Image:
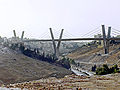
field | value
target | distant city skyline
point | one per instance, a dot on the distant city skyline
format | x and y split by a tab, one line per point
77	17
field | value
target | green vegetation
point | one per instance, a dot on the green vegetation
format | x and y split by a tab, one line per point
106	70
65	62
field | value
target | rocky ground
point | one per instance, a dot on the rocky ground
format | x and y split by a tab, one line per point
72	82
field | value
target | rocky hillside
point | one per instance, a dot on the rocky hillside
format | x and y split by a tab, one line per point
87	56
15	67
47	47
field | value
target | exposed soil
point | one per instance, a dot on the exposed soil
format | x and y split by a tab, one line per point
15	67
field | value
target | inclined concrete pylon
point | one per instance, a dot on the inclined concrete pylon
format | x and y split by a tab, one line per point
104	39
14	33
53	40
108	37
22	35
56	49
59	42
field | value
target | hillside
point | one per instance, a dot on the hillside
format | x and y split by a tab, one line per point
87	56
73	82
15	67
47	47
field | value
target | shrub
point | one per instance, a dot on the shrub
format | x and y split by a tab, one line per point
65	62
106	70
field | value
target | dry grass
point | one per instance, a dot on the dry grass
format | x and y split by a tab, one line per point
71	82
15	67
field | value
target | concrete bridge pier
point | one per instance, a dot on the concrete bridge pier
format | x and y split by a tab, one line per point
53	40
56	49
22	35
106	41
16	40
14	33
108	37
59	42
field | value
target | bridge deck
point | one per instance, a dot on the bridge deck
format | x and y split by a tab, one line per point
70	39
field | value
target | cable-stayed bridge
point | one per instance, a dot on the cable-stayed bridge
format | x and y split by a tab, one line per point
102	33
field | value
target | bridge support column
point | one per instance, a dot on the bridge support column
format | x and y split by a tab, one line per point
14	33
56	49
104	39
108	37
59	42
53	40
22	35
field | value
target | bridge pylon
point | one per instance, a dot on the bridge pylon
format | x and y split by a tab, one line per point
15	36
106	41
108	37
53	40
59	42
14	33
17	39
56	49
22	34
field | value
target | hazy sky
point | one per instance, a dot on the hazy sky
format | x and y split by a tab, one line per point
77	17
